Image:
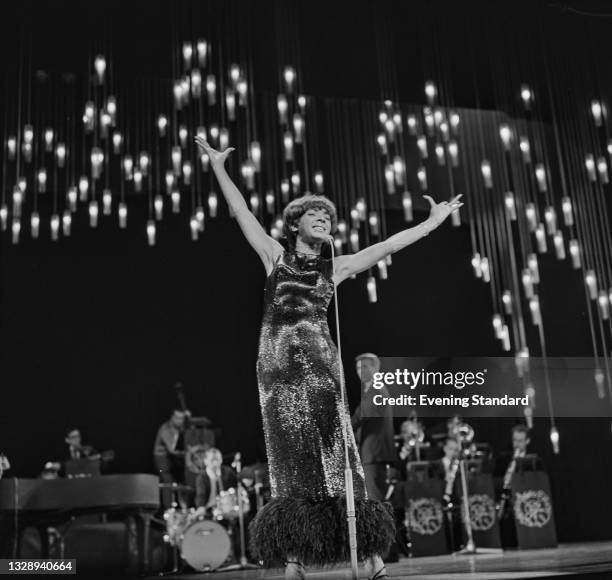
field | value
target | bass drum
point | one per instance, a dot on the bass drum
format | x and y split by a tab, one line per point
206	545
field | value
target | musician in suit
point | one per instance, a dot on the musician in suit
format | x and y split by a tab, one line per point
169	452
374	435
214	479
76	449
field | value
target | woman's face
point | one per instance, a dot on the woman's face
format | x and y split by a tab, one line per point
314	225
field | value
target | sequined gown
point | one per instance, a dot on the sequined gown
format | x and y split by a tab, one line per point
299	390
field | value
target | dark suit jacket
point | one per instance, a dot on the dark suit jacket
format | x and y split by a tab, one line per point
228	479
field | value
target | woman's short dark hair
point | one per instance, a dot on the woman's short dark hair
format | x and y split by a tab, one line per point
298	207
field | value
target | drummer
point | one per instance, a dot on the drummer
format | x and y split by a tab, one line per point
214	479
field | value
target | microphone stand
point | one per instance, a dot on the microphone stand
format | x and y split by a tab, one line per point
243	564
348	472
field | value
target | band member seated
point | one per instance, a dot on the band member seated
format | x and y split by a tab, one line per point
76	449
213	480
447	469
374	435
169	452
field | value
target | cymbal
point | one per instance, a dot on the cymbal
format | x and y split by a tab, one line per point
175	486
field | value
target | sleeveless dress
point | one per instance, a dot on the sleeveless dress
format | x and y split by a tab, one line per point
299	391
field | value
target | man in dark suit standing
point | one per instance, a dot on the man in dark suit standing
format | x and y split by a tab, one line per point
374	434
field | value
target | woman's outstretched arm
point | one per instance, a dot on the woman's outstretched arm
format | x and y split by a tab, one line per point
267	248
349	265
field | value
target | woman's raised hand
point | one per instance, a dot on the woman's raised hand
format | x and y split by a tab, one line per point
216	157
440	211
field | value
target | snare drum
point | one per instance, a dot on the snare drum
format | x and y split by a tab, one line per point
227	504
206	545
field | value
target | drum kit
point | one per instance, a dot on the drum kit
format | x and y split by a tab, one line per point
203	538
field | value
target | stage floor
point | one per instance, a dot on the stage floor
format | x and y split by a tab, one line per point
568	559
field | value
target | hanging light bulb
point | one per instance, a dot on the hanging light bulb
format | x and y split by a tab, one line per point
477	265
223	139
485	168
28	134
117	142
179	96
574	249
162	125
176	160
42	180
527	97
183	134
107	202
382	143
602	168
283	106
16	230
438	117
507	301
498	325
422	177
484	267
128	167
187	172
510	205
318	181
212	204
354	240
97	159
93	213
158	205
360	206
11	146
411	122
604	306
111	109
289	76
151	230
440	154
211	89
66	222
122	211
422	145
83	188
54	223
505	135
540	173
527	279
100	67
374	223
202	50
105	123
554	439
288	145
525	148
390	128
196	83
137	180
372	297
453	153
298	127
445	131
194	225
382	269
3	216
204	161
301	101
187	54
248	174
397	120
454	122
430	122
71	198
199	215
390	178
532	264
399	169
599	377
430	92
27	150
48	139
270	201
35	224
342	231
591	283
296	182
175	196
534	307
589	163
540	235
355	218
550	217
255	153
254	202
531	215
505	338
285	189
566	206
559	245
230	104
144	161
597	112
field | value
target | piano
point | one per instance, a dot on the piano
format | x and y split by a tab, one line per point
50	502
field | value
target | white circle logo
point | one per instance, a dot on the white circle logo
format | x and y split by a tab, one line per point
532	508
425	516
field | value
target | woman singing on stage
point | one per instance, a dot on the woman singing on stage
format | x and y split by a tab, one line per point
300	387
